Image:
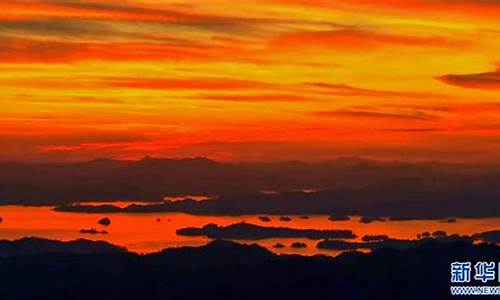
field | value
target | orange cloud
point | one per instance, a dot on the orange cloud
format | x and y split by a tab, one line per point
420	116
39	145
448	107
356	39
257	98
171	83
31	51
346	90
413	130
481	8
93	10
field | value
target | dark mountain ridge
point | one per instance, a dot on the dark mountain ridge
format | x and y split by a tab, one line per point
225	270
152	179
349	186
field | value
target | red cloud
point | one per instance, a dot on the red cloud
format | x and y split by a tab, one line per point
170	83
257	98
420	116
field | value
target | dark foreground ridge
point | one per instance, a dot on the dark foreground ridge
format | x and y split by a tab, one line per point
30	246
226	270
246	231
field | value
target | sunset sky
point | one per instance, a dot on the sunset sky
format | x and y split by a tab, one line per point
250	80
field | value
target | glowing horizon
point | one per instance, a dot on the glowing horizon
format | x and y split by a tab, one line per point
250	81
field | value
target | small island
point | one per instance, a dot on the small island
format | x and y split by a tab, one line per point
279	246
92	231
104	221
368	220
246	231
265	219
338	217
298	245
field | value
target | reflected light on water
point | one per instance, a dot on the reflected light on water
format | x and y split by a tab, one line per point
145	233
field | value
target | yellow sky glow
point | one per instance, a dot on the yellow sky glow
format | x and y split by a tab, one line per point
250	80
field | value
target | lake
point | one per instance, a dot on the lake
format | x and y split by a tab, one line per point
142	233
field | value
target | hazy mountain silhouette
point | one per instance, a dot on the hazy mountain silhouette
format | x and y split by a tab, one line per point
152	179
348	186
375	203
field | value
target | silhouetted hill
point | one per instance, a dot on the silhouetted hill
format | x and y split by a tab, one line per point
492	236
215	253
224	270
245	231
35	246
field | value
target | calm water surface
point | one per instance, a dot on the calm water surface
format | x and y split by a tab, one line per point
142	233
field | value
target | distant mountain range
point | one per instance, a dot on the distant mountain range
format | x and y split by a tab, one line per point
344	186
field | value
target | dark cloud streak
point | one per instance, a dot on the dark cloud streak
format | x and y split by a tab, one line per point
420	116
483	81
